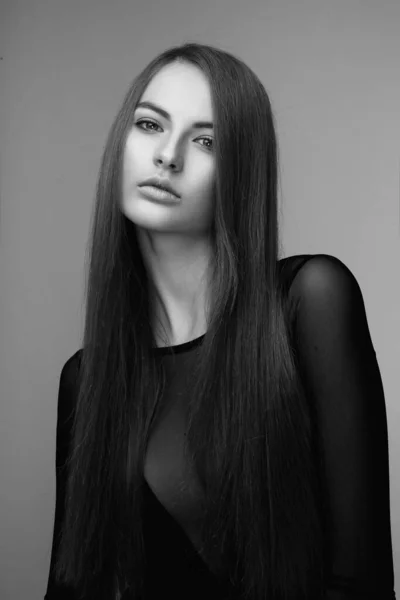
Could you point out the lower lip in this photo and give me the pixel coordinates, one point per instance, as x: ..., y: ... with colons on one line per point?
x: 157, y: 195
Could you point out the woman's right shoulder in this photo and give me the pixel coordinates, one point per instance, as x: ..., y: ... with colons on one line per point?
x: 70, y: 369
x: 67, y: 400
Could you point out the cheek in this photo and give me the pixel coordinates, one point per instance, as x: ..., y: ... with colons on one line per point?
x: 134, y: 153
x: 130, y: 167
x: 206, y: 178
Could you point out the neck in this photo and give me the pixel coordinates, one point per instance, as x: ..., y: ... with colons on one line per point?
x: 179, y: 270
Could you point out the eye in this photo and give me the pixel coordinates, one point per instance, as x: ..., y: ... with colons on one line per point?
x: 147, y: 121
x: 208, y: 139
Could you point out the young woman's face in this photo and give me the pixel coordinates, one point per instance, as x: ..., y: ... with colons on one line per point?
x: 172, y: 148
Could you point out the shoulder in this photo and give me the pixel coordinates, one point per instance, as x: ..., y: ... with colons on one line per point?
x: 316, y: 275
x: 67, y: 397
x: 318, y: 288
x: 70, y: 369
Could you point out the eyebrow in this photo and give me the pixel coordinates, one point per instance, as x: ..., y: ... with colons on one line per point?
x: 166, y: 115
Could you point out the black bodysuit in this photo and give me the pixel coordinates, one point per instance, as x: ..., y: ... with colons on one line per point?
x: 340, y: 372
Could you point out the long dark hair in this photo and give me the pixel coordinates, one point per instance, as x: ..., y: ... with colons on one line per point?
x: 249, y: 429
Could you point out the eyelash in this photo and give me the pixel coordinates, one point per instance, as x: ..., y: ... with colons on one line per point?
x: 153, y: 123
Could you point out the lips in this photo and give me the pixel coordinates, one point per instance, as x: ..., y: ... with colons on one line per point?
x: 162, y: 184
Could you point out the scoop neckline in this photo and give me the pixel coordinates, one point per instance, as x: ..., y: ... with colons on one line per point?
x: 179, y: 348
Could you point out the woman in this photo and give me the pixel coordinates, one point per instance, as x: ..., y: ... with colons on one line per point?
x: 222, y: 433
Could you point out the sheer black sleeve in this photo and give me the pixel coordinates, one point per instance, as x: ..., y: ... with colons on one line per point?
x: 342, y: 377
x: 67, y: 397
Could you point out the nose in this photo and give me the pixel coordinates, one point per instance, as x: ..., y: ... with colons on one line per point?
x: 168, y: 159
x: 167, y: 163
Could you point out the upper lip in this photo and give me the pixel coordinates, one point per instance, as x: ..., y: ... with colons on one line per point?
x: 161, y: 183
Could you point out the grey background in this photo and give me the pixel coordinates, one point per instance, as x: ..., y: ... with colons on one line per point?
x: 332, y: 72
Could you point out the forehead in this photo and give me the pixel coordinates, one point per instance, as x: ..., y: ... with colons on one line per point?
x: 181, y: 89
